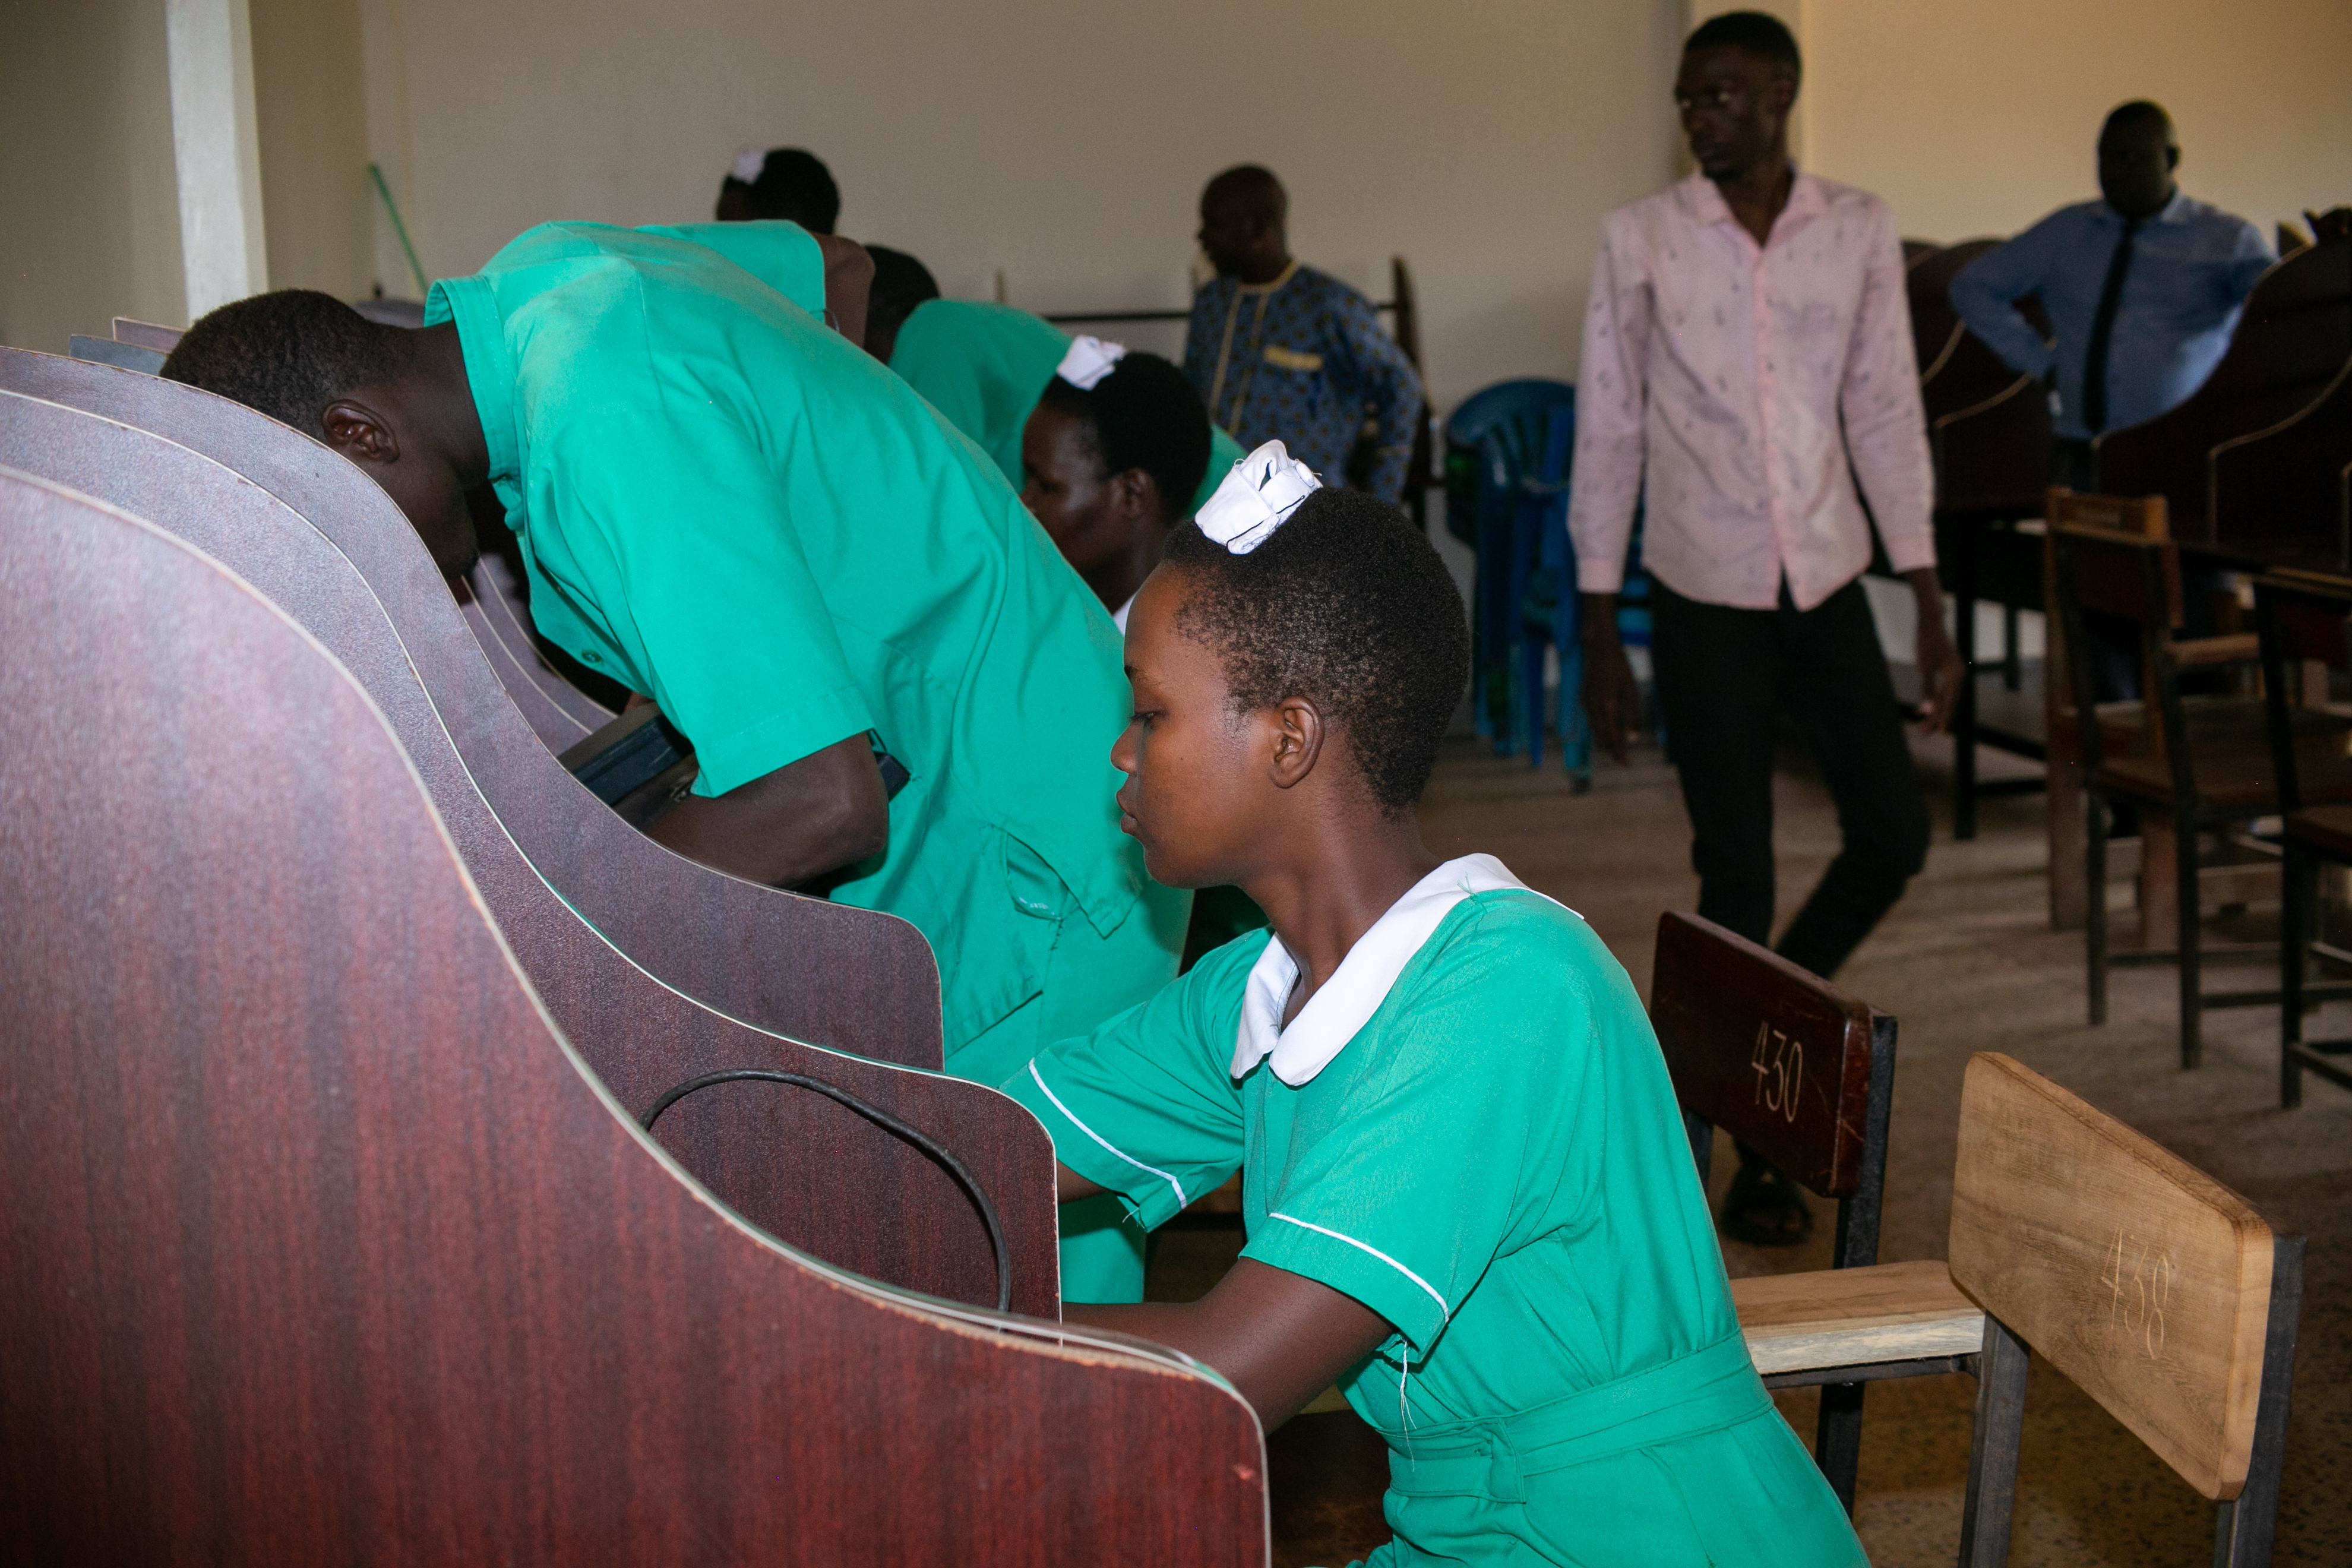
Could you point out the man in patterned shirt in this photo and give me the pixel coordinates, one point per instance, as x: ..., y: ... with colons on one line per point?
x: 1282, y: 353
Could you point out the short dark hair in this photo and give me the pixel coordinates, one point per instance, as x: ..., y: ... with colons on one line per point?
x: 900, y: 282
x: 794, y: 186
x: 1146, y: 414
x: 2138, y: 111
x: 290, y: 353
x: 1765, y: 36
x: 1347, y: 604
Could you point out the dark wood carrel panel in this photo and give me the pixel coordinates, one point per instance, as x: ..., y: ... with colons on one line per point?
x: 848, y: 978
x: 1777, y: 1058
x: 790, y: 1161
x: 1989, y: 427
x: 317, y: 1244
x: 2280, y: 493
x: 559, y: 714
x: 2290, y: 345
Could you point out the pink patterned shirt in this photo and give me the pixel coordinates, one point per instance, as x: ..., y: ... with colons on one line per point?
x: 1717, y: 375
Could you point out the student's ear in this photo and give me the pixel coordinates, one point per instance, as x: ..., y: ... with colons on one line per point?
x: 359, y: 433
x: 1133, y: 494
x: 1299, y: 736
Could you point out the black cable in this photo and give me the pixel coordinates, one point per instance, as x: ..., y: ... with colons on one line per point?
x: 880, y: 1118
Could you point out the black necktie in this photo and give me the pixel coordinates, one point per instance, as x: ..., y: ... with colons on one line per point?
x: 2103, y: 330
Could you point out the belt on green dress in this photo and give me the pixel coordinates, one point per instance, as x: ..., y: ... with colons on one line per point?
x: 1705, y: 1391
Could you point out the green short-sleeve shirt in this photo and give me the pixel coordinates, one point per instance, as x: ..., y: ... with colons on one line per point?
x: 985, y: 367
x: 1494, y: 1163
x: 728, y: 506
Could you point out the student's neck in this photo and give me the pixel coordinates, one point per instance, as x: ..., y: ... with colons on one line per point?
x: 452, y: 421
x: 1339, y: 875
x: 1261, y: 270
x: 1756, y: 194
x: 1116, y: 580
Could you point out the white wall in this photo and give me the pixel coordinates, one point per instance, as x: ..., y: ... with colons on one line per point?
x: 1065, y: 142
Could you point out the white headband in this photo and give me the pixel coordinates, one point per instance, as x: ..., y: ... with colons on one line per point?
x: 1256, y: 498
x: 1089, y: 361
x: 748, y: 165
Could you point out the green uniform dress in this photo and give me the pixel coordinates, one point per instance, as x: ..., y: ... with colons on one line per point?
x: 985, y: 367
x: 726, y: 506
x: 1470, y: 1130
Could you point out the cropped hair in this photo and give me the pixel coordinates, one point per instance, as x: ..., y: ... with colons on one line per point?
x: 1349, y: 605
x: 794, y: 186
x: 1148, y: 414
x: 1765, y: 36
x: 290, y: 353
x: 900, y: 283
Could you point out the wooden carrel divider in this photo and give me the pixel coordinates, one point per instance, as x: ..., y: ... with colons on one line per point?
x: 317, y: 1244
x: 809, y: 1170
x: 851, y: 979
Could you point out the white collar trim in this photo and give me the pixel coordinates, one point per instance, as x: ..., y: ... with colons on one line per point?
x: 1336, y: 1013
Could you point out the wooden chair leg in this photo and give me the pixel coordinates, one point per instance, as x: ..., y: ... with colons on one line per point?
x: 1837, y: 1439
x: 2063, y: 807
x: 2095, y: 911
x: 2295, y: 904
x: 2188, y: 944
x: 2159, y: 881
x: 1992, y: 1457
x: 2244, y: 1530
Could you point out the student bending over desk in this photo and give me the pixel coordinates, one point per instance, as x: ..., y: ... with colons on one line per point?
x: 1468, y: 1194
x: 730, y: 509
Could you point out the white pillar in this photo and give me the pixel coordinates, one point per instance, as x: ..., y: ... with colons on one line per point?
x: 218, y: 151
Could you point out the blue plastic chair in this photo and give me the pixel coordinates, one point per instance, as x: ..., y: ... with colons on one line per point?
x: 1495, y: 443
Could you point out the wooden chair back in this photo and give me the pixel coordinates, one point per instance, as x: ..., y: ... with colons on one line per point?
x: 790, y: 1161
x: 2140, y: 1277
x: 320, y: 1244
x: 836, y: 976
x: 2305, y: 625
x: 1785, y: 1062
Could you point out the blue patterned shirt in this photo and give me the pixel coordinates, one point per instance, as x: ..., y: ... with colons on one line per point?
x: 1304, y: 360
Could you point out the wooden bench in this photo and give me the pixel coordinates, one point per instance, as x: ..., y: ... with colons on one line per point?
x: 320, y: 1243
x: 801, y: 1166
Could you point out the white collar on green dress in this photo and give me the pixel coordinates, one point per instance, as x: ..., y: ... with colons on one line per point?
x: 1347, y: 1002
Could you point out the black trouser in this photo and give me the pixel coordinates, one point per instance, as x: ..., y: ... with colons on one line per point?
x: 1723, y: 676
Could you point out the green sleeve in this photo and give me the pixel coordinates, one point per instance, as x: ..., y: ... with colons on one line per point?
x: 692, y: 560
x: 1419, y: 1182
x: 1145, y: 1106
x: 1224, y: 453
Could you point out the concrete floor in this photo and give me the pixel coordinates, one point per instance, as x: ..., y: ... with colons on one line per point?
x: 1967, y: 962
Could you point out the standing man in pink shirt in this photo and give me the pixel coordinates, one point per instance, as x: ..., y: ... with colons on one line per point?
x: 1746, y: 358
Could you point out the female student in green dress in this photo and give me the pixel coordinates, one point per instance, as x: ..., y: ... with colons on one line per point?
x: 1468, y: 1196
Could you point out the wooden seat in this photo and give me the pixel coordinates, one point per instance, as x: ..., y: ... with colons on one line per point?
x: 2160, y: 1292
x: 1803, y: 1074
x: 2305, y: 619
x: 1856, y: 1320
x: 321, y: 1245
x: 2193, y: 782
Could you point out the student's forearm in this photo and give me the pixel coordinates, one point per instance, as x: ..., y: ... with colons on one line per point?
x: 1070, y: 1186
x: 796, y: 824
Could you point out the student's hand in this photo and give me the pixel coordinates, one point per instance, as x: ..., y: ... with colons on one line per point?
x: 1940, y: 673
x: 1613, y: 700
x: 804, y: 821
x: 1279, y: 1338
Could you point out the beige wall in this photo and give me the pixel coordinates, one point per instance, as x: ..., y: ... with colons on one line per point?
x: 309, y: 91
x: 1976, y: 116
x: 1065, y: 142
x: 89, y: 221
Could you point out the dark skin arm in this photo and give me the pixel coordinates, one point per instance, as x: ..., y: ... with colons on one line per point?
x: 1278, y: 1338
x: 791, y: 827
x: 848, y: 281
x: 1613, y: 700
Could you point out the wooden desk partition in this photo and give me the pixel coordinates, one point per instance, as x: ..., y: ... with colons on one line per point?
x: 788, y: 1160
x: 559, y: 712
x: 832, y: 975
x: 317, y: 1244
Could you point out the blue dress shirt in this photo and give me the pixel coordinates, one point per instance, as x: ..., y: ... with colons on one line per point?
x: 2191, y: 268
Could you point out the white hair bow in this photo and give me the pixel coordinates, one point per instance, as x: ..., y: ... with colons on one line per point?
x: 748, y: 165
x: 1256, y: 498
x: 1089, y: 361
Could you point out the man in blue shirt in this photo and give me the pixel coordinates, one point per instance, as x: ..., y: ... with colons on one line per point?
x: 2143, y: 288
x: 1282, y: 353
